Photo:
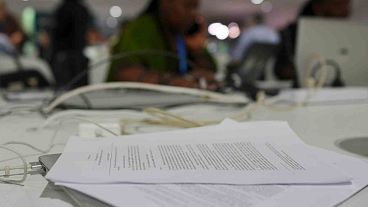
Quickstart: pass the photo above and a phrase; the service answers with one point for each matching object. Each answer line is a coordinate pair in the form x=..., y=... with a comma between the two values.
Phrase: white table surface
x=319, y=126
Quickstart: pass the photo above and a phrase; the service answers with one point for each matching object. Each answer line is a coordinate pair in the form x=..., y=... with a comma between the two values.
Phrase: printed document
x=268, y=153
x=199, y=195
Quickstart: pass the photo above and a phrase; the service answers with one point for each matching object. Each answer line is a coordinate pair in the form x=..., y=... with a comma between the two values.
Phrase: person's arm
x=140, y=74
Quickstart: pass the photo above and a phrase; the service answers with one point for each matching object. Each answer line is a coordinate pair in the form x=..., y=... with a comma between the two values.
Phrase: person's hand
x=199, y=78
x=205, y=79
x=183, y=82
x=203, y=73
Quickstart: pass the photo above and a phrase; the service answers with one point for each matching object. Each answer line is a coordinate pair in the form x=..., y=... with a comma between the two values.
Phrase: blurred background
x=226, y=20
x=278, y=12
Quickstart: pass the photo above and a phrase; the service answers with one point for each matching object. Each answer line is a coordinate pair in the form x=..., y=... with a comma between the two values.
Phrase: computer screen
x=344, y=44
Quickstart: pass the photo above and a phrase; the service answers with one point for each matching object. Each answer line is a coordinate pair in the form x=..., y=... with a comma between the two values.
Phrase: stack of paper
x=212, y=166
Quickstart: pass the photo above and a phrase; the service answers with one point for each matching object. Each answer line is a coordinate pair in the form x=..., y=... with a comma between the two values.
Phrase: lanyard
x=182, y=53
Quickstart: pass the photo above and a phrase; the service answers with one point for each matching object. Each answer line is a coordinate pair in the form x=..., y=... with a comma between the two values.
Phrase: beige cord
x=97, y=124
x=169, y=119
x=309, y=81
x=312, y=85
x=164, y=118
x=246, y=113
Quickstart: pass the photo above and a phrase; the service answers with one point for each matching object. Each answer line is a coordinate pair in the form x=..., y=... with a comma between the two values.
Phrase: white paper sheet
x=329, y=195
x=27, y=196
x=236, y=154
x=193, y=195
x=185, y=195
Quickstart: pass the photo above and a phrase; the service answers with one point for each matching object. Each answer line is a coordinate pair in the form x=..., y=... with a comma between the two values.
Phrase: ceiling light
x=222, y=33
x=213, y=28
x=219, y=30
x=115, y=11
x=257, y=1
x=234, y=30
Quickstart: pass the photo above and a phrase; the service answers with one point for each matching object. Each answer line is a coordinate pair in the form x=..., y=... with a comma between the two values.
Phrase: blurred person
x=173, y=26
x=3, y=13
x=44, y=44
x=12, y=36
x=6, y=47
x=285, y=66
x=196, y=39
x=72, y=20
x=256, y=32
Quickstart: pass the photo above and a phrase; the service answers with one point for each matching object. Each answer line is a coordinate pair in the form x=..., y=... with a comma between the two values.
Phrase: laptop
x=342, y=43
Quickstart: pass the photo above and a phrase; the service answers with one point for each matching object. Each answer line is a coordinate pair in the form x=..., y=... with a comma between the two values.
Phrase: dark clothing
x=68, y=42
x=285, y=66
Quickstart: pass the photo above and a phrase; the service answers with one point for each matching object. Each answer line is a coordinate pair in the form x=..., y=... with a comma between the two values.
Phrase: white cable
x=20, y=167
x=47, y=150
x=62, y=114
x=169, y=119
x=309, y=80
x=246, y=113
x=54, y=137
x=25, y=168
x=25, y=156
x=79, y=112
x=206, y=95
x=18, y=109
x=164, y=117
x=29, y=145
x=313, y=85
x=98, y=125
